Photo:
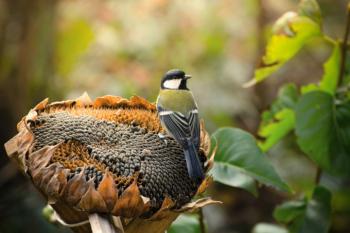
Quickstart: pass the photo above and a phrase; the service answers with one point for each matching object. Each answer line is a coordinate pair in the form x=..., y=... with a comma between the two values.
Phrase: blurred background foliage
x=61, y=48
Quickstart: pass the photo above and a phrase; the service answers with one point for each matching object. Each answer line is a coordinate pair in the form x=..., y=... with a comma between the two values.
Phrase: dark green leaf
x=314, y=126
x=311, y=9
x=318, y=212
x=185, y=223
x=342, y=117
x=288, y=211
x=224, y=174
x=268, y=228
x=347, y=70
x=238, y=150
x=340, y=140
x=312, y=216
x=287, y=98
x=322, y=131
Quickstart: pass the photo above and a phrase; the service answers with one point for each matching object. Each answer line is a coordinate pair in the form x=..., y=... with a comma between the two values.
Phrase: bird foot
x=163, y=138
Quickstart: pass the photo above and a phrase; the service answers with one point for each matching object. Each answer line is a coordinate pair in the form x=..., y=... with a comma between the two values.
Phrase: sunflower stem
x=344, y=47
x=201, y=221
x=103, y=224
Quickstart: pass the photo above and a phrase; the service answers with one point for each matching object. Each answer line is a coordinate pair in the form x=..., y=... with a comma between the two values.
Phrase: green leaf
x=331, y=71
x=238, y=150
x=329, y=79
x=314, y=126
x=340, y=139
x=268, y=228
x=322, y=131
x=224, y=174
x=185, y=223
x=307, y=216
x=309, y=87
x=318, y=212
x=346, y=72
x=287, y=98
x=72, y=42
x=276, y=130
x=279, y=120
x=289, y=37
x=288, y=211
x=342, y=116
x=310, y=9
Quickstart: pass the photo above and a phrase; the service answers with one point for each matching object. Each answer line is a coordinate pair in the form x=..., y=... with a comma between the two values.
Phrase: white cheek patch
x=172, y=84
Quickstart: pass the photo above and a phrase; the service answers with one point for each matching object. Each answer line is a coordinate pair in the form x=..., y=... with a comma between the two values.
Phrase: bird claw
x=163, y=138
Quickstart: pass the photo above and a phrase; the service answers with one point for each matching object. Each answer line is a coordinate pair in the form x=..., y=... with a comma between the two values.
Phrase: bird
x=178, y=114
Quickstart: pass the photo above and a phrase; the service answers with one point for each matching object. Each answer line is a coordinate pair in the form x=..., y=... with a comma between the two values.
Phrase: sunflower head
x=105, y=156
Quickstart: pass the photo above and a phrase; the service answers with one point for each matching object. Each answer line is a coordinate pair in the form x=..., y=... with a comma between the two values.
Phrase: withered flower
x=105, y=157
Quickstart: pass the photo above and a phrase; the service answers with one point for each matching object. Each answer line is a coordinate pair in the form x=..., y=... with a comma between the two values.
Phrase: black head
x=175, y=79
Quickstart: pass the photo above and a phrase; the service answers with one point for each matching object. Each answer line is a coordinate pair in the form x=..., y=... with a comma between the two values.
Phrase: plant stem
x=318, y=175
x=329, y=40
x=344, y=48
x=101, y=223
x=201, y=221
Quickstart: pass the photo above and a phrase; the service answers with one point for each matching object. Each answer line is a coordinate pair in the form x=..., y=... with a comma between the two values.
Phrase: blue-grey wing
x=194, y=123
x=182, y=127
x=177, y=125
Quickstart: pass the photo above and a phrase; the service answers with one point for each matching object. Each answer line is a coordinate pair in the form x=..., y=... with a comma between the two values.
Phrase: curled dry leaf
x=105, y=156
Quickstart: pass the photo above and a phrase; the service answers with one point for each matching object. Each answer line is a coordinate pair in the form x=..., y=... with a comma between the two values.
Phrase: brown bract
x=70, y=165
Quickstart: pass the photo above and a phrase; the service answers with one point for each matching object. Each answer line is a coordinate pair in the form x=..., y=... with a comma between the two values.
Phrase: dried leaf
x=31, y=116
x=42, y=105
x=40, y=159
x=57, y=183
x=205, y=139
x=107, y=190
x=75, y=189
x=19, y=145
x=62, y=104
x=146, y=203
x=210, y=162
x=92, y=201
x=11, y=146
x=83, y=100
x=204, y=185
x=139, y=225
x=107, y=100
x=164, y=209
x=139, y=102
x=47, y=174
x=130, y=203
x=190, y=207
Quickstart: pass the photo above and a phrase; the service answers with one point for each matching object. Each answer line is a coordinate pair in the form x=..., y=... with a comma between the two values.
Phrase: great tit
x=178, y=115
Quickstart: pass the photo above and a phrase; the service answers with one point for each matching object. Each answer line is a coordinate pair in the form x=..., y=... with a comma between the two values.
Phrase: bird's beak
x=187, y=76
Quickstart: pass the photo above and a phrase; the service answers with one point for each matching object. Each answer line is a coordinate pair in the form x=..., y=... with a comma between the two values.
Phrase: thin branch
x=318, y=175
x=344, y=46
x=201, y=221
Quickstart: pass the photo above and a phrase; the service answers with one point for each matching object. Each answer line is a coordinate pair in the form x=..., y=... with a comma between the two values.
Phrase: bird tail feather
x=194, y=167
